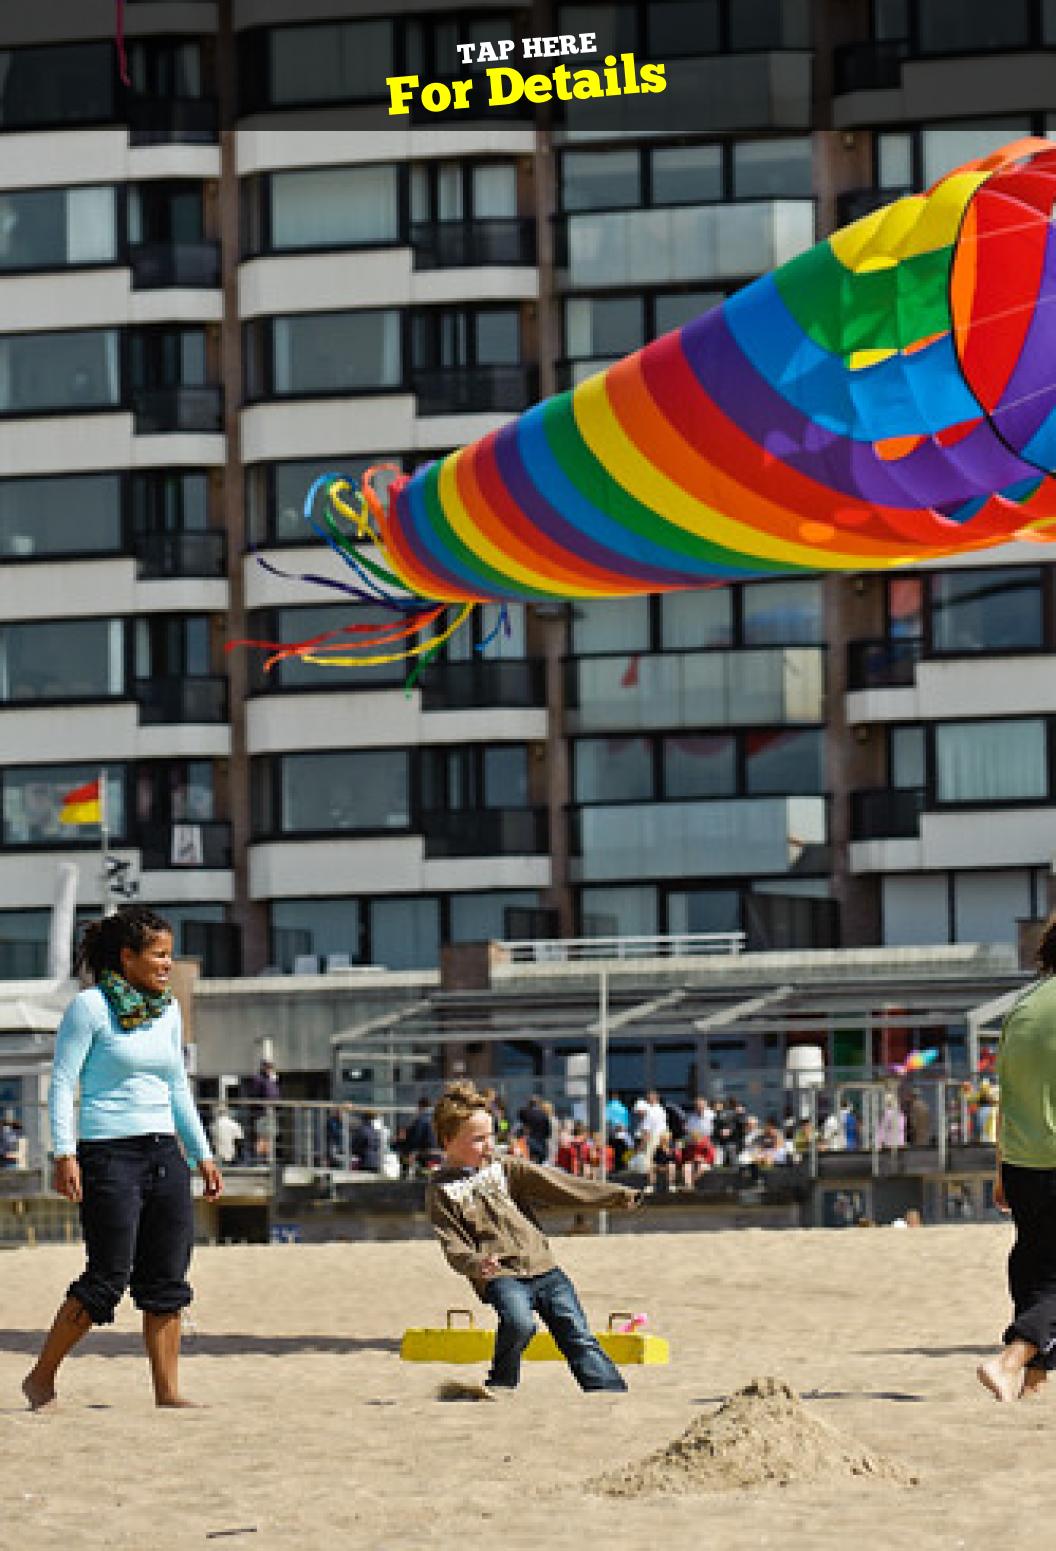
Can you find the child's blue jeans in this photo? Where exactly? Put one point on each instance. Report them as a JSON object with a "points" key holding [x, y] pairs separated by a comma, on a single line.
{"points": [[517, 1300]]}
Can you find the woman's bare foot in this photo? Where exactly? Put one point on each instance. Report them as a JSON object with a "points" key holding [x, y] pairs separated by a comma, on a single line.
{"points": [[1033, 1383], [1002, 1379], [179, 1404], [41, 1397]]}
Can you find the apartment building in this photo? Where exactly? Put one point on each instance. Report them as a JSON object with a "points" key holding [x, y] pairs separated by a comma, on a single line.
{"points": [[224, 279]]}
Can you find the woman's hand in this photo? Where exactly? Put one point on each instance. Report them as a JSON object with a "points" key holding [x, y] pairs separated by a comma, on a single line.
{"points": [[999, 1193], [212, 1179], [66, 1178]]}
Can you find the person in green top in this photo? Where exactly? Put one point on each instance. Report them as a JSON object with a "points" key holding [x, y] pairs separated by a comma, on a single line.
{"points": [[1026, 1182]]}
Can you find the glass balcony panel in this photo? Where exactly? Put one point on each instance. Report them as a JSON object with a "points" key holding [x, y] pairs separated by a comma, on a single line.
{"points": [[698, 689], [739, 836], [689, 242]]}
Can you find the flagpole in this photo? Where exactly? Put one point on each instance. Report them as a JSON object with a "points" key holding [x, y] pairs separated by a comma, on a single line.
{"points": [[104, 836]]}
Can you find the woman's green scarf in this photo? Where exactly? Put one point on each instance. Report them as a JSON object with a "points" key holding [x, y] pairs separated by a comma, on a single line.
{"points": [[132, 1008]]}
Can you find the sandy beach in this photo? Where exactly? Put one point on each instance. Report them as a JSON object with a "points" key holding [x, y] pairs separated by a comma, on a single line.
{"points": [[315, 1434]]}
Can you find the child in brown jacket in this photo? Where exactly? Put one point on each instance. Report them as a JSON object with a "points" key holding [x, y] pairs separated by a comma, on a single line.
{"points": [[481, 1209]]}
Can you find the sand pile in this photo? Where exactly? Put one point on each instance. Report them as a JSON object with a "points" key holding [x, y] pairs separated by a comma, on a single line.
{"points": [[761, 1436]]}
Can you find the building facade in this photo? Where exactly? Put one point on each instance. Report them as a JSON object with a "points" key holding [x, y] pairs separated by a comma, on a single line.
{"points": [[215, 287]]}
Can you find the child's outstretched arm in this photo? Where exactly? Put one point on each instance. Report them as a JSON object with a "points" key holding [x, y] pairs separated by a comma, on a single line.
{"points": [[553, 1187]]}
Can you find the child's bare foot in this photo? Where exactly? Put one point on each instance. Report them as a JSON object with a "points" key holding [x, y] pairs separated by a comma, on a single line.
{"points": [[41, 1397], [1003, 1381], [1033, 1383]]}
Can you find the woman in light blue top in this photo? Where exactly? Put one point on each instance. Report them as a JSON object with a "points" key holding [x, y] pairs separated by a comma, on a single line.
{"points": [[120, 1042]]}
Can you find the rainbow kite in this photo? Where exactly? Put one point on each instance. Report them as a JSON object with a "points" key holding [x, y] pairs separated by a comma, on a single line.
{"points": [[885, 398]]}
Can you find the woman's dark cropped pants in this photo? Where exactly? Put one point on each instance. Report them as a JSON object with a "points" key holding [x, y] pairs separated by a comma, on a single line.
{"points": [[137, 1217], [1031, 1197]]}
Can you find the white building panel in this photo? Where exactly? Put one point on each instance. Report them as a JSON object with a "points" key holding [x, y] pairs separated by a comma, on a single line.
{"points": [[325, 282], [53, 444], [186, 885], [995, 838], [79, 299], [333, 866], [176, 304], [183, 450], [488, 872], [314, 428], [262, 150], [384, 718], [55, 158]]}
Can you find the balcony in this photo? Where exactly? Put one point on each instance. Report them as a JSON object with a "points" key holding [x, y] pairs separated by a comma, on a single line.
{"points": [[470, 686], [870, 67], [156, 265], [184, 845], [460, 245], [685, 243], [173, 120], [161, 555], [883, 664], [752, 837], [161, 411], [486, 832], [166, 700], [751, 686], [467, 390], [883, 814]]}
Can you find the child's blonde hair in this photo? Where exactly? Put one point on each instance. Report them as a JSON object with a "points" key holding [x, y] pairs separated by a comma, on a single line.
{"points": [[453, 1108]]}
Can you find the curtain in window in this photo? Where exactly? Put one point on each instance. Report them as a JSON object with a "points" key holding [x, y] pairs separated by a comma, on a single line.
{"points": [[990, 761]]}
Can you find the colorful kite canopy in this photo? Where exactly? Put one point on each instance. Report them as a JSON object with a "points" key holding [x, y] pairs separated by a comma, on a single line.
{"points": [[885, 398]]}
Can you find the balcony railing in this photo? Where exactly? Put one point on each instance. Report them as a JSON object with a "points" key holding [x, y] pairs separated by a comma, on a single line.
{"points": [[881, 663], [179, 120], [159, 411], [870, 67], [486, 832], [460, 390], [765, 686], [181, 700], [463, 245], [185, 845], [463, 686], [181, 554], [158, 264], [884, 814]]}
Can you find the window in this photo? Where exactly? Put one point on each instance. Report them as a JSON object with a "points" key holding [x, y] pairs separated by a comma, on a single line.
{"points": [[54, 228], [166, 212], [405, 933], [60, 371], [784, 761], [62, 659], [773, 169], [165, 502], [915, 909], [336, 352], [783, 613], [481, 917], [951, 145], [172, 646], [471, 778], [908, 759], [315, 926], [626, 912], [694, 619], [991, 761], [704, 910], [344, 792], [769, 24], [165, 356], [24, 944], [76, 514], [681, 307], [180, 791], [334, 207], [987, 610], [276, 493], [700, 767], [608, 625], [33, 799], [987, 905], [674, 28], [303, 624], [600, 180], [613, 769], [448, 339], [963, 26], [70, 84], [342, 62]]}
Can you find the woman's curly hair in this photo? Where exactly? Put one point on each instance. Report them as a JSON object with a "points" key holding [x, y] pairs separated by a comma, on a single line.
{"points": [[101, 942]]}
